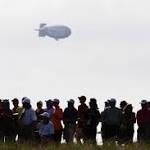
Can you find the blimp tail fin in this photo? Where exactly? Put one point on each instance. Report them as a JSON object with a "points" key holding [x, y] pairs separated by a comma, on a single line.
{"points": [[41, 33], [42, 25]]}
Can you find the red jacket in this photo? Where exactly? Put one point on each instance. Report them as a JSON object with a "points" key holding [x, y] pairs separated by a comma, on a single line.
{"points": [[143, 116]]}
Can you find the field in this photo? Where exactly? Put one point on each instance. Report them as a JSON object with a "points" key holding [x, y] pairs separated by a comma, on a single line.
{"points": [[27, 146]]}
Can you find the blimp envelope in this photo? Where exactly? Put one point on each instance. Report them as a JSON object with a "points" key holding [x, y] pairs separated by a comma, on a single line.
{"points": [[57, 32]]}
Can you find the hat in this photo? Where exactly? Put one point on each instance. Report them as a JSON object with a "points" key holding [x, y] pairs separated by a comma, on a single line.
{"points": [[45, 114], [26, 100], [112, 100], [15, 99], [143, 101], [56, 100], [93, 103], [82, 98], [93, 100], [49, 100], [71, 101]]}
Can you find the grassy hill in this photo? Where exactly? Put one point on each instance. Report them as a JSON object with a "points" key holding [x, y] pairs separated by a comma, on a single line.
{"points": [[27, 146]]}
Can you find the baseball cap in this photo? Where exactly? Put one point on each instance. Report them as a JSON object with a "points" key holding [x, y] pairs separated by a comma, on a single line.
{"points": [[15, 99], [49, 100], [71, 101], [143, 101], [26, 100], [56, 100], [45, 114], [82, 98], [113, 100]]}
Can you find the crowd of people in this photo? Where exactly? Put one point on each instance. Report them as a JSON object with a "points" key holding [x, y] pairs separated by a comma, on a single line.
{"points": [[51, 124]]}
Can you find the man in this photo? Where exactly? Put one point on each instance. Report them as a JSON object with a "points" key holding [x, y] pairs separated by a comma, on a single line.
{"points": [[56, 120], [46, 129], [16, 107], [122, 134], [103, 125], [112, 118], [16, 112], [49, 108], [1, 121], [7, 121], [69, 118], [92, 119], [28, 119], [143, 121], [106, 106], [82, 109], [123, 105]]}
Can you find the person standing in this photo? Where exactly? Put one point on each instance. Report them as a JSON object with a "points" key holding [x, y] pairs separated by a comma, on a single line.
{"points": [[123, 104], [82, 109], [16, 112], [92, 119], [69, 119], [127, 125], [143, 121], [28, 119], [46, 129], [16, 108], [103, 125], [1, 122], [112, 118], [56, 120], [122, 135], [49, 108], [39, 110], [7, 121]]}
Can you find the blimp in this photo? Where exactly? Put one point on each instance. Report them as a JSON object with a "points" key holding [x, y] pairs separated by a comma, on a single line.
{"points": [[57, 31]]}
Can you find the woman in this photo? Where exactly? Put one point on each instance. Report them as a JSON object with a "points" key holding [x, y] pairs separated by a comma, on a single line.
{"points": [[127, 126]]}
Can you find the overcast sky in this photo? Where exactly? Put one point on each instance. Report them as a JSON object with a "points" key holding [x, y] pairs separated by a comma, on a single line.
{"points": [[106, 56]]}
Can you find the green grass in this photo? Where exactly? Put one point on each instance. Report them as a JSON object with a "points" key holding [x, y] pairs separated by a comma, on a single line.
{"points": [[27, 146]]}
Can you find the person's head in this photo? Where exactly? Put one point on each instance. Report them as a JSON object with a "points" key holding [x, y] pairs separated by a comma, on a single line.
{"points": [[23, 99], [128, 109], [148, 104], [1, 104], [82, 99], [112, 102], [144, 103], [71, 103], [39, 104], [15, 102], [49, 103], [6, 105], [45, 117], [26, 103], [107, 104], [93, 103], [56, 102], [123, 104]]}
